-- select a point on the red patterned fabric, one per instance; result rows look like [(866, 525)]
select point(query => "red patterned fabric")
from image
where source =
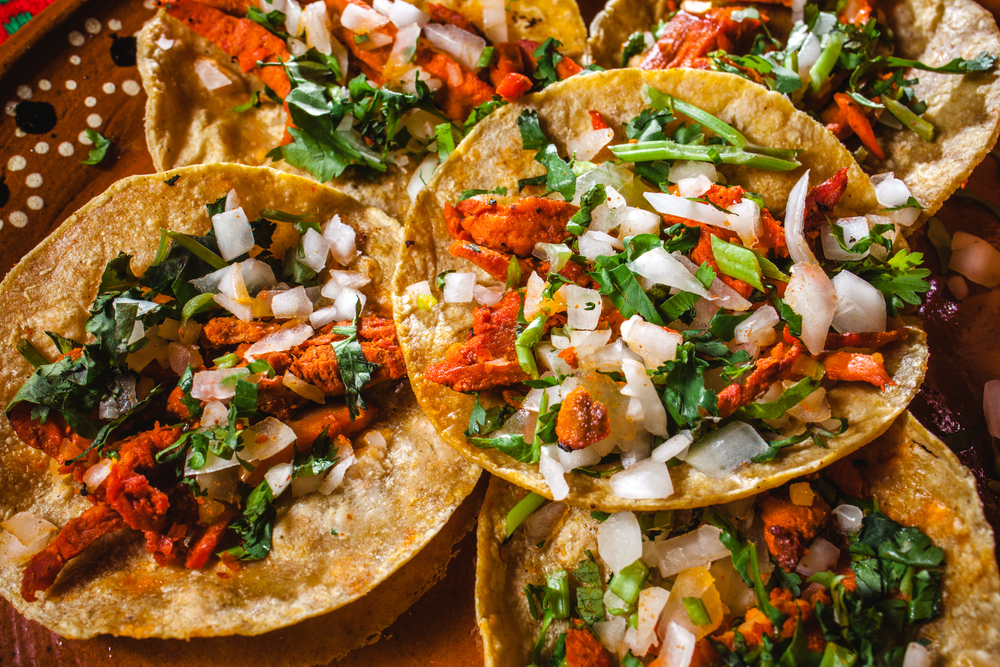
[(15, 13)]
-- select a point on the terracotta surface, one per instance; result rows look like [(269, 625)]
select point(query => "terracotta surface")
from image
[(440, 629)]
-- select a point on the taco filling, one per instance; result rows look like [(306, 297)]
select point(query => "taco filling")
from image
[(223, 377), (653, 315), (808, 573), (838, 65), (370, 87)]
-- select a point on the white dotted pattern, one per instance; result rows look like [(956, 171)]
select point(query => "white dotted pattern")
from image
[(16, 163), (131, 87), (71, 85), (24, 92), (36, 203), (90, 101), (11, 108), (18, 218), (76, 38), (93, 26), (114, 24), (45, 84), (74, 60), (34, 180), (108, 88), (84, 139), (66, 149), (41, 148), (94, 120)]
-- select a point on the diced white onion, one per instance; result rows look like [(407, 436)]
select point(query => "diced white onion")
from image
[(556, 254), (917, 655), (679, 642), (849, 517), (860, 306), (97, 474), (315, 246), (292, 304), (495, 20), (697, 548), (348, 303), (611, 632), (638, 221), (684, 208), (811, 294), (213, 463), (553, 472), (334, 478), (404, 48), (342, 240), (991, 406), (588, 342), (619, 540), (975, 259), (279, 477), (821, 556), (463, 46), (583, 307), (639, 386), (293, 18), (403, 14), (233, 232), (296, 46), (889, 190), (256, 276), (675, 446), (663, 268), (812, 409), (26, 535), (303, 388), (215, 413), (182, 356), (164, 43), (758, 329), (265, 439), (795, 222), (341, 280), (645, 480), (232, 200), (209, 385), (682, 169), (693, 187), (383, 7), (211, 77), (652, 600), (407, 83), (485, 296), (421, 176), (220, 485), (242, 311), (592, 247), (361, 19), (744, 219), (317, 25), (855, 229), (578, 458), (458, 287), (652, 342), (723, 452), (590, 143), (808, 55)]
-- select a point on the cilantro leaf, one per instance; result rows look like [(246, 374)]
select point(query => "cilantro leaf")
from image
[(99, 150), (254, 528), (589, 594), (355, 370)]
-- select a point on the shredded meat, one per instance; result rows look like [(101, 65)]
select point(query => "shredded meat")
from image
[(75, 536), (510, 224), (820, 201), (857, 367), (222, 331), (462, 91), (446, 15), (129, 491), (492, 262), (583, 649), (336, 418), (488, 358), (688, 38), (203, 547), (769, 369), (582, 421), (866, 341), (318, 365), (507, 60), (790, 528), (274, 398)]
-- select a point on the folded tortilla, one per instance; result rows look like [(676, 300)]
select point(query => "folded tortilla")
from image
[(916, 480), (393, 501), (964, 109), (492, 156)]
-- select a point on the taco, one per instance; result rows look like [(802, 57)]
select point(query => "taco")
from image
[(911, 87), (884, 554), (621, 322), (259, 435), (371, 96)]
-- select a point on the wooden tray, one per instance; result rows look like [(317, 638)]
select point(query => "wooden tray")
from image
[(74, 56)]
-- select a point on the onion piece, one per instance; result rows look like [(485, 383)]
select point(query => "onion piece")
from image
[(242, 311), (588, 342), (638, 221), (744, 219), (292, 304), (233, 232), (917, 655), (213, 463), (486, 296), (682, 169), (684, 208), (495, 20), (697, 548), (463, 46), (652, 600), (293, 18), (811, 294), (30, 529), (679, 642), (639, 386), (975, 259), (611, 632), (809, 53), (590, 143), (674, 447), (652, 342), (619, 540), (795, 221), (217, 385), (211, 76), (315, 246), (855, 229), (362, 20), (458, 287), (693, 187), (663, 268), (860, 306), (723, 452), (334, 478), (256, 276), (348, 303), (182, 356), (758, 329), (341, 280), (317, 25), (404, 48), (279, 477), (215, 413), (303, 388), (850, 517), (342, 240), (645, 480), (265, 439), (408, 84), (821, 556), (583, 307), (403, 14), (553, 472)]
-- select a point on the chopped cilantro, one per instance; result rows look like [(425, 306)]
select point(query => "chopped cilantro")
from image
[(99, 150)]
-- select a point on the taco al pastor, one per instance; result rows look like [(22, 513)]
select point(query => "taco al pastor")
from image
[(882, 555), (217, 425), (661, 340), (367, 99)]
